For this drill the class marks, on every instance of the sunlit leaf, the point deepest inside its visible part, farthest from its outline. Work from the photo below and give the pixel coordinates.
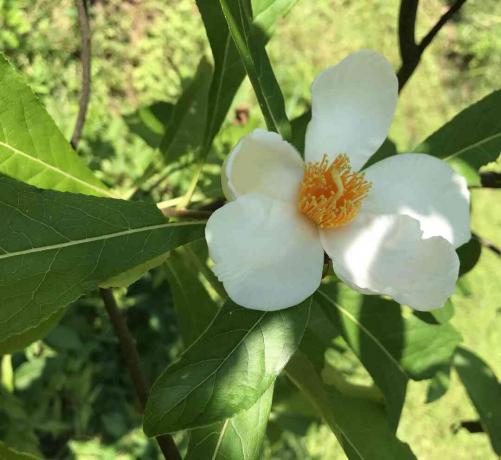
(471, 139)
(56, 246)
(361, 426)
(392, 347)
(484, 390)
(238, 437)
(250, 45)
(32, 149)
(227, 369)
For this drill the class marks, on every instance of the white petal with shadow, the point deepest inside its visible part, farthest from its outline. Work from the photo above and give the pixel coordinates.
(265, 252)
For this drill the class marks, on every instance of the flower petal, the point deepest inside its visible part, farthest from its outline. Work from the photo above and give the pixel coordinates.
(424, 188)
(352, 108)
(263, 162)
(386, 254)
(267, 254)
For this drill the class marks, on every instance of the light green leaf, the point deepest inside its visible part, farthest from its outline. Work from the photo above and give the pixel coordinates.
(32, 149)
(392, 347)
(250, 43)
(7, 453)
(56, 246)
(360, 425)
(189, 279)
(227, 369)
(484, 390)
(239, 437)
(471, 139)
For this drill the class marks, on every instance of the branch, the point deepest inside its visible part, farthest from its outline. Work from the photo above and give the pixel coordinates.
(487, 244)
(410, 51)
(83, 21)
(132, 362)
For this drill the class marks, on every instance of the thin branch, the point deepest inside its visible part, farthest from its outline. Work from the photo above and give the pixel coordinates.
(83, 21)
(410, 51)
(132, 362)
(186, 213)
(487, 244)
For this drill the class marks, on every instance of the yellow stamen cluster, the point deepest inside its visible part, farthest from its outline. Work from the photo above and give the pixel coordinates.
(331, 195)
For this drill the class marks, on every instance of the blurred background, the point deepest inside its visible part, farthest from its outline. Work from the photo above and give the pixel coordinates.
(69, 396)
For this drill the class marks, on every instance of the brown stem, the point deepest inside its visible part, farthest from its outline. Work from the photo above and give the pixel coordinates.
(410, 51)
(487, 244)
(188, 213)
(83, 21)
(133, 364)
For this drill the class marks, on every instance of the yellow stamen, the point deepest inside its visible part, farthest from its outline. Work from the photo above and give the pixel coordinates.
(331, 195)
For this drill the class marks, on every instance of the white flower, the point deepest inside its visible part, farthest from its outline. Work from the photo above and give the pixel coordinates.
(391, 230)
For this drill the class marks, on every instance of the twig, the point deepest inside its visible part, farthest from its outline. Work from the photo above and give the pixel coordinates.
(189, 213)
(410, 51)
(487, 244)
(132, 362)
(83, 21)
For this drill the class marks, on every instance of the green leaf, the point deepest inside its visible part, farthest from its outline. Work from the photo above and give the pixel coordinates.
(32, 149)
(471, 139)
(249, 42)
(149, 122)
(239, 437)
(361, 426)
(392, 347)
(56, 246)
(229, 71)
(7, 453)
(386, 150)
(298, 127)
(469, 255)
(227, 369)
(185, 128)
(484, 390)
(186, 271)
(22, 340)
(439, 385)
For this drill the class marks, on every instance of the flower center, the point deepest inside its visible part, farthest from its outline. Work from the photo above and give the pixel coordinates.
(331, 195)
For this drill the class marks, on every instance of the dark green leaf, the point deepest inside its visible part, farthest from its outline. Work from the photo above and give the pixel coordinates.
(194, 306)
(32, 149)
(469, 254)
(227, 369)
(298, 127)
(484, 390)
(56, 246)
(471, 139)
(361, 426)
(149, 122)
(249, 42)
(386, 150)
(185, 129)
(438, 385)
(22, 340)
(228, 70)
(239, 437)
(392, 347)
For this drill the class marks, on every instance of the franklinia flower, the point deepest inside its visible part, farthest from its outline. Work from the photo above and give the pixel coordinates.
(391, 229)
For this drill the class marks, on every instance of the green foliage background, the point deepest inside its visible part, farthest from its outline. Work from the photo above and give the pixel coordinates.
(69, 396)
